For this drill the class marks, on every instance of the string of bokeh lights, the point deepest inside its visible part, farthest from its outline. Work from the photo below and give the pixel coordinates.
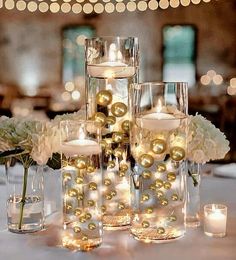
(94, 6)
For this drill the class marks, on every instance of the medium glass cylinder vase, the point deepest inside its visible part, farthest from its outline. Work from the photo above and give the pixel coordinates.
(82, 185)
(25, 203)
(158, 144)
(111, 66)
(193, 194)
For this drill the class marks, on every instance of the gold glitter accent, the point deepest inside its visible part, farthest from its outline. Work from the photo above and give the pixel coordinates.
(124, 167)
(82, 219)
(159, 193)
(90, 169)
(121, 174)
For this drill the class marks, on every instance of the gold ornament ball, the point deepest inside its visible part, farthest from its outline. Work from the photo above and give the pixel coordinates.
(72, 192)
(82, 162)
(67, 177)
(177, 153)
(91, 203)
(161, 167)
(88, 216)
(78, 212)
(118, 152)
(104, 98)
(172, 218)
(158, 146)
(124, 167)
(68, 207)
(167, 185)
(125, 125)
(107, 182)
(159, 183)
(159, 194)
(100, 118)
(118, 109)
(160, 230)
(82, 219)
(90, 169)
(79, 180)
(149, 210)
(145, 224)
(121, 205)
(164, 201)
(174, 197)
(84, 238)
(121, 174)
(77, 229)
(111, 120)
(91, 226)
(146, 174)
(108, 196)
(146, 160)
(111, 164)
(117, 137)
(171, 176)
(113, 193)
(145, 197)
(92, 186)
(80, 196)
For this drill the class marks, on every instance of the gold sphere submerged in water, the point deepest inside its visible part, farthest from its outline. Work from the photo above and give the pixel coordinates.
(90, 168)
(119, 109)
(117, 137)
(91, 226)
(79, 180)
(146, 160)
(161, 167)
(121, 205)
(107, 182)
(103, 208)
(125, 125)
(145, 224)
(81, 162)
(100, 118)
(164, 201)
(158, 146)
(77, 229)
(72, 192)
(92, 186)
(159, 183)
(177, 153)
(111, 120)
(77, 212)
(172, 218)
(67, 177)
(84, 238)
(167, 185)
(118, 152)
(121, 173)
(160, 230)
(174, 197)
(88, 216)
(111, 164)
(171, 176)
(146, 174)
(149, 210)
(145, 197)
(104, 98)
(91, 203)
(124, 167)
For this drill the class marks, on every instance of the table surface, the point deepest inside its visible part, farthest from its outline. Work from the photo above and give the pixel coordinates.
(120, 245)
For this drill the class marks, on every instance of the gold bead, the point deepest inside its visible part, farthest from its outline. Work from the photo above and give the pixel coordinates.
(79, 180)
(124, 167)
(118, 109)
(108, 151)
(80, 196)
(82, 162)
(107, 182)
(145, 197)
(68, 207)
(77, 229)
(118, 152)
(161, 167)
(82, 219)
(164, 201)
(91, 203)
(152, 187)
(145, 224)
(158, 146)
(174, 197)
(146, 174)
(159, 193)
(77, 212)
(104, 98)
(90, 168)
(88, 216)
(117, 137)
(125, 125)
(177, 153)
(167, 185)
(149, 210)
(111, 120)
(100, 118)
(91, 226)
(113, 193)
(172, 218)
(160, 230)
(146, 160)
(121, 205)
(84, 238)
(92, 186)
(121, 174)
(111, 164)
(103, 208)
(72, 192)
(171, 176)
(158, 183)
(108, 196)
(67, 177)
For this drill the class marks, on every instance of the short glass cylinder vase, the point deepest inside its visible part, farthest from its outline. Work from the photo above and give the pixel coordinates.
(193, 194)
(25, 203)
(158, 145)
(111, 67)
(82, 185)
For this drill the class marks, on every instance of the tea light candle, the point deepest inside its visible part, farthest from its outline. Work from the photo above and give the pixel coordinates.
(215, 218)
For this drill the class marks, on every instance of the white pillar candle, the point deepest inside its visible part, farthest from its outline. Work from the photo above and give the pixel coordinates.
(215, 218)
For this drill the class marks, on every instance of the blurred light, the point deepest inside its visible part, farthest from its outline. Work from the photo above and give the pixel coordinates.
(80, 1)
(65, 96)
(196, 2)
(142, 6)
(87, 8)
(164, 4)
(93, 1)
(9, 4)
(65, 7)
(54, 7)
(185, 2)
(231, 91)
(174, 3)
(233, 83)
(217, 79)
(211, 73)
(98, 8)
(20, 5)
(32, 6)
(131, 6)
(75, 95)
(120, 7)
(76, 8)
(109, 7)
(80, 39)
(43, 7)
(69, 86)
(153, 5)
(205, 80)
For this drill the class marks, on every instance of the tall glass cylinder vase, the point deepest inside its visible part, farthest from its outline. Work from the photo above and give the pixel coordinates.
(193, 194)
(82, 185)
(111, 66)
(158, 144)
(25, 203)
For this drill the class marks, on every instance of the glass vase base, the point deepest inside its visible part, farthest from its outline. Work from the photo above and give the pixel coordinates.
(219, 235)
(192, 222)
(152, 236)
(81, 245)
(116, 222)
(28, 228)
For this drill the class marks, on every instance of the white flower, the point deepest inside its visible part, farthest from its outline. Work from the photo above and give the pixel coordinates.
(205, 141)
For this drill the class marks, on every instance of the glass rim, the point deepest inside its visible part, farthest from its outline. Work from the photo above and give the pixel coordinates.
(217, 206)
(161, 83)
(111, 37)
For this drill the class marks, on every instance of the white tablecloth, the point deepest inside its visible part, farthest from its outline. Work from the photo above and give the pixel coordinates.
(119, 244)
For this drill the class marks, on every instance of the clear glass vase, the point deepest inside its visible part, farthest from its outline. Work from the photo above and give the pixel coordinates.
(158, 145)
(193, 194)
(111, 67)
(25, 198)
